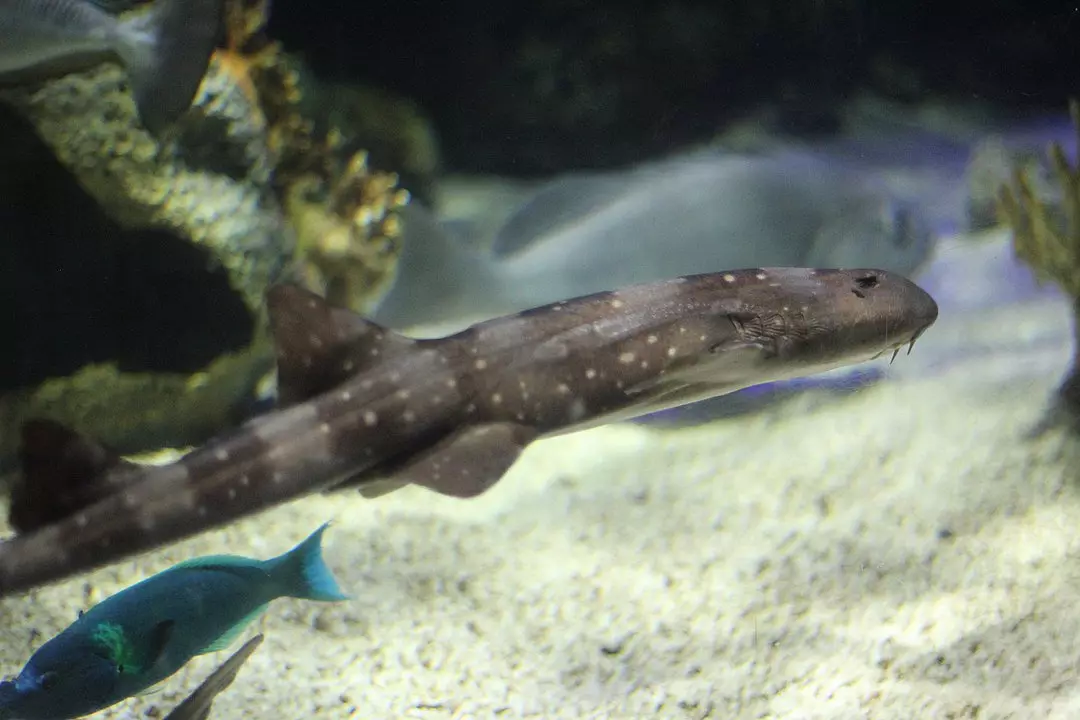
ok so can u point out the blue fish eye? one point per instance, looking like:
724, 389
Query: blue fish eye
48, 680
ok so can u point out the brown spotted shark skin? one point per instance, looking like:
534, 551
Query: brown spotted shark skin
363, 406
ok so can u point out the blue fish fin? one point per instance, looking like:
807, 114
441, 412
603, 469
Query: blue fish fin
302, 573
226, 639
218, 561
159, 640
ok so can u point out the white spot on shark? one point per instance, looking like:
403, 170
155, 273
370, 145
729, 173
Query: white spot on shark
370, 418
729, 278
408, 416
346, 396
403, 394
496, 399
480, 364
562, 389
590, 373
617, 303
761, 276
324, 428
627, 357
347, 366
652, 339
221, 454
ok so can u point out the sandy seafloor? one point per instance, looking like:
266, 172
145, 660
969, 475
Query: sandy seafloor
904, 552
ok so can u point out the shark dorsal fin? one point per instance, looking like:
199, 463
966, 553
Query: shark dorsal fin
62, 472
320, 346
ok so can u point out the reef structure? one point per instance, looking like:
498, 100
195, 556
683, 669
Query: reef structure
1043, 211
138, 265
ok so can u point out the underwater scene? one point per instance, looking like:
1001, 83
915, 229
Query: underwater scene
665, 359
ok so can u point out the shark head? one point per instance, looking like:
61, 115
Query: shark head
696, 337
825, 318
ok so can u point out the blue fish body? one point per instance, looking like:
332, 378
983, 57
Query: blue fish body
142, 635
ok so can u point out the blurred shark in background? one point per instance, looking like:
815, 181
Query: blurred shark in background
166, 48
693, 213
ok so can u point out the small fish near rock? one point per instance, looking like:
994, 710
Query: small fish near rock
365, 407
166, 51
137, 638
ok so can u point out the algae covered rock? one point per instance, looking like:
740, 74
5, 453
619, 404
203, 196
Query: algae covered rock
137, 266
136, 269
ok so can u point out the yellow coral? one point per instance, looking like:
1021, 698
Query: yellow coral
246, 48
344, 214
348, 232
1042, 238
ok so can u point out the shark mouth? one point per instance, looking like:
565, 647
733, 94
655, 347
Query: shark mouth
897, 348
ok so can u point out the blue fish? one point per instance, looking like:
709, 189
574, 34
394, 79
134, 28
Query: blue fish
135, 639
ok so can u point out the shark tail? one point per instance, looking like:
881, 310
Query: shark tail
302, 572
167, 53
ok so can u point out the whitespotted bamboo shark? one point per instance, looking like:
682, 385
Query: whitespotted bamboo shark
366, 407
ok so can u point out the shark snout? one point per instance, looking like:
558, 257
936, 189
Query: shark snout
889, 310
895, 296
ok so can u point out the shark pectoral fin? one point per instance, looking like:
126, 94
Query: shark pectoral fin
463, 465
320, 346
378, 488
62, 472
470, 461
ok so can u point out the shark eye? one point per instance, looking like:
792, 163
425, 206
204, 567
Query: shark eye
865, 282
48, 680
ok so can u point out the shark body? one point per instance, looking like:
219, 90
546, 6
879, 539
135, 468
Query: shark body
366, 407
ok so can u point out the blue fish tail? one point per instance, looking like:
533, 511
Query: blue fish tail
302, 572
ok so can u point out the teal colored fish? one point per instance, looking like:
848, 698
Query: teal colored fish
140, 636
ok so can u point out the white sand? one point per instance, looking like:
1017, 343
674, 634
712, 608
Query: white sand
903, 553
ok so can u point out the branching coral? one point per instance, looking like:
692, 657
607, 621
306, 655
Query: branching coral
349, 234
1046, 236
344, 214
